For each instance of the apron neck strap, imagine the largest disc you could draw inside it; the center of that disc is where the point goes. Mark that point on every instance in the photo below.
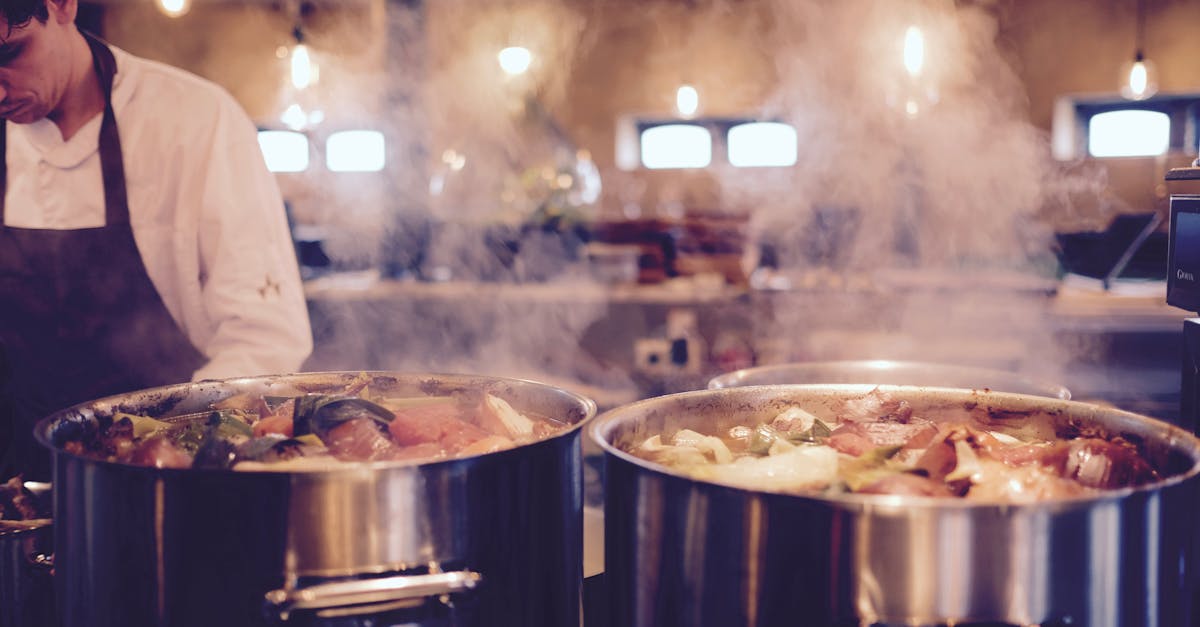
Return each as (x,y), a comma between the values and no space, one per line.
(112,166)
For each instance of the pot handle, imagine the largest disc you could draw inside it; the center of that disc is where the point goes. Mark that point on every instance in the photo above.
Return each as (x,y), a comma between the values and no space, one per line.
(42,562)
(366,596)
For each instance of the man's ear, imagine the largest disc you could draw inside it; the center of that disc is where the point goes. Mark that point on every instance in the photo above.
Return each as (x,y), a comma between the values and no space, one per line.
(63,11)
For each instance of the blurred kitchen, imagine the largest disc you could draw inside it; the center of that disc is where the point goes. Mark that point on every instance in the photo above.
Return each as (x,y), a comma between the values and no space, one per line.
(628,197)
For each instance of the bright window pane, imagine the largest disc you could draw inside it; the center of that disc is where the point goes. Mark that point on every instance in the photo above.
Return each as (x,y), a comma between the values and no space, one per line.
(284,151)
(1129,133)
(355,151)
(676,146)
(759,144)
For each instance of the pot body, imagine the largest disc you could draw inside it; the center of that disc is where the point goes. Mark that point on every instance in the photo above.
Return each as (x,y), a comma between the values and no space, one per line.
(26,584)
(686,552)
(889,372)
(145,546)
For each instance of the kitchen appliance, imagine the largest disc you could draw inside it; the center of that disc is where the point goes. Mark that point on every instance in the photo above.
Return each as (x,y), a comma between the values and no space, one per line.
(483,540)
(685,552)
(1183,282)
(890,372)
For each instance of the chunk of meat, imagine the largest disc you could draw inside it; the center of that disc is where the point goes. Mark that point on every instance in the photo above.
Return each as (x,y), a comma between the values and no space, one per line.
(1001,483)
(490,444)
(1106,464)
(280,421)
(159,452)
(425,450)
(938,460)
(437,423)
(856,438)
(875,406)
(360,440)
(907,484)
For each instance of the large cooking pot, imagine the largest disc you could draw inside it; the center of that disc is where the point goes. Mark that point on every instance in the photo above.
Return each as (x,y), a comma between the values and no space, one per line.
(490,539)
(680,551)
(26,585)
(891,372)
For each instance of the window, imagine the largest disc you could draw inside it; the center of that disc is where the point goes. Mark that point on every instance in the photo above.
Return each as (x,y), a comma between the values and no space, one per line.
(284,151)
(1114,127)
(699,143)
(676,146)
(762,144)
(1129,133)
(355,151)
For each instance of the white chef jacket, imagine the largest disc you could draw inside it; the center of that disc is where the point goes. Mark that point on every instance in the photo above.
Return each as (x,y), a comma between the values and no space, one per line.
(206,213)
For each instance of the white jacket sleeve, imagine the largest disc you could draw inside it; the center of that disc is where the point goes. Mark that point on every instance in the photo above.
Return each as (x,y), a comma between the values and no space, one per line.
(250,284)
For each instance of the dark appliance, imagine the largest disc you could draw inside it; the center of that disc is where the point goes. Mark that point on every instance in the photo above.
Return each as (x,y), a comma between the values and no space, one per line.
(1183,282)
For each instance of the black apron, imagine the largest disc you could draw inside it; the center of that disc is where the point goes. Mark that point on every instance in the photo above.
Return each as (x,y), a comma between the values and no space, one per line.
(79,317)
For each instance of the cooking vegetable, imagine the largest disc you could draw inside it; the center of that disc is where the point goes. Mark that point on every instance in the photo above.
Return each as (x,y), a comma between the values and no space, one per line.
(255,432)
(876,444)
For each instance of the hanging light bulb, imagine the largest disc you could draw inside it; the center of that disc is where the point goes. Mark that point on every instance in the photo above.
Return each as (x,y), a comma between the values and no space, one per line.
(914,51)
(1139,78)
(687,101)
(514,60)
(304,71)
(174,8)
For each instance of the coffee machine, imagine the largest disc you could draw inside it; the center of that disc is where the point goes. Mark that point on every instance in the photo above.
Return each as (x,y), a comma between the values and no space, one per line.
(1183,282)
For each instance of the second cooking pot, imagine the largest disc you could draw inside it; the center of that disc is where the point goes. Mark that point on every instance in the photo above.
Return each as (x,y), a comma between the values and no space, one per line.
(891,372)
(685,552)
(484,540)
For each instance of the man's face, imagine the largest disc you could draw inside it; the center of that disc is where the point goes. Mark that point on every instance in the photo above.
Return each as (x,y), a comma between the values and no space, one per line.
(34,69)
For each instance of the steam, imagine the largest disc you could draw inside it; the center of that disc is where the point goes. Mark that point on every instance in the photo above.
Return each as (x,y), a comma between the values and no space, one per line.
(917,223)
(932,190)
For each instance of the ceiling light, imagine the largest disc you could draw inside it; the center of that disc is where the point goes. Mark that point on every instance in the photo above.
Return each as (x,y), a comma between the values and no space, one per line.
(1139,78)
(515,60)
(174,8)
(687,100)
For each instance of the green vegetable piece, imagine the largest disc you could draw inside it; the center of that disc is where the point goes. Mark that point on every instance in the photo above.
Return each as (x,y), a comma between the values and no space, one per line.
(228,425)
(309,439)
(142,425)
(859,472)
(761,440)
(189,437)
(881,454)
(820,429)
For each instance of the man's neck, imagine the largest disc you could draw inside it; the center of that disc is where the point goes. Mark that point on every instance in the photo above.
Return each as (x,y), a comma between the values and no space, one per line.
(82,98)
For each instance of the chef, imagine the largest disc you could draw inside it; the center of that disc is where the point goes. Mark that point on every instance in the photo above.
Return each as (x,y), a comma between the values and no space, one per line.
(143,241)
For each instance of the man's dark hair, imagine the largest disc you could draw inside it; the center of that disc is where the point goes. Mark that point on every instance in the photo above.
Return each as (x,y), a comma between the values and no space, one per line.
(20,12)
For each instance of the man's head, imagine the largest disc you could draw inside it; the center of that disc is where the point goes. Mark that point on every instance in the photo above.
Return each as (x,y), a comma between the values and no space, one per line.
(17,13)
(35,57)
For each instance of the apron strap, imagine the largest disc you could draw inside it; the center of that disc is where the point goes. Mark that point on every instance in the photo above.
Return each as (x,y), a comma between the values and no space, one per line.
(112,166)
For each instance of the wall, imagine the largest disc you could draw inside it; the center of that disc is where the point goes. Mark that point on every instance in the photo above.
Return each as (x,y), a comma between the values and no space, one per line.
(1078,46)
(597,61)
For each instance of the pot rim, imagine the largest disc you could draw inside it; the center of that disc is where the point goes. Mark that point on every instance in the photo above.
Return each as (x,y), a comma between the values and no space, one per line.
(602,427)
(42,428)
(1050,389)
(30,527)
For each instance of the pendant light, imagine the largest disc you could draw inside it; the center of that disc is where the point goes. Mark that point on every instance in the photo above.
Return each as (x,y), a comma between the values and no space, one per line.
(1139,77)
(174,8)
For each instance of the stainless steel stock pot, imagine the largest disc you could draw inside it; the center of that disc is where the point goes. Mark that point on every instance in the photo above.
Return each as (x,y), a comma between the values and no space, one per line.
(685,552)
(493,539)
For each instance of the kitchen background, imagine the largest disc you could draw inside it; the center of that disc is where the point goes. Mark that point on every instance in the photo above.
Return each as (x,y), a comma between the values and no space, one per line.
(626,197)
